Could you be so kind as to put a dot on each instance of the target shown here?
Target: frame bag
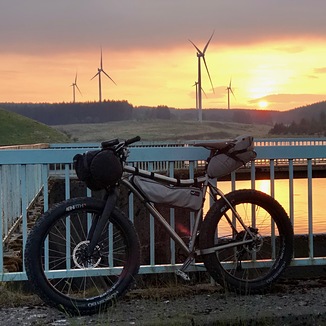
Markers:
(99, 169)
(186, 197)
(223, 162)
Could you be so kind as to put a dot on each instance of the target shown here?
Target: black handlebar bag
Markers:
(99, 169)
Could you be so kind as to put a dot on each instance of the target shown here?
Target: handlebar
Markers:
(110, 143)
(132, 140)
(115, 142)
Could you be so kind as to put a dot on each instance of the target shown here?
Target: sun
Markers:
(263, 104)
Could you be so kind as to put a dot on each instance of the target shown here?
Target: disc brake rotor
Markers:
(255, 246)
(81, 258)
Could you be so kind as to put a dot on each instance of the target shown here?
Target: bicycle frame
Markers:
(207, 185)
(93, 240)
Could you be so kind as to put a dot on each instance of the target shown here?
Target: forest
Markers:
(89, 112)
(305, 126)
(310, 119)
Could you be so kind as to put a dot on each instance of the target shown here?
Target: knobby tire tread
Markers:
(206, 240)
(38, 280)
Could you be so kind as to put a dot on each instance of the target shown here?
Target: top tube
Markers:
(163, 178)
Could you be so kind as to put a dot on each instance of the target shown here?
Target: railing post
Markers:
(1, 219)
(172, 218)
(152, 229)
(310, 219)
(24, 205)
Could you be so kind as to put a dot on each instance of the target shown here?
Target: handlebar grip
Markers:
(110, 143)
(132, 140)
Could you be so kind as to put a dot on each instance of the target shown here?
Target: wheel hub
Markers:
(82, 259)
(255, 245)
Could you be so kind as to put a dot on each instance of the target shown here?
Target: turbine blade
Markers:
(76, 78)
(196, 47)
(230, 88)
(78, 89)
(108, 76)
(101, 62)
(203, 92)
(95, 75)
(232, 92)
(205, 48)
(209, 76)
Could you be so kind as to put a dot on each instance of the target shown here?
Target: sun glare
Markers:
(264, 186)
(263, 104)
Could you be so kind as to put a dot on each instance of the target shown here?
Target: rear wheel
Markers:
(59, 267)
(255, 265)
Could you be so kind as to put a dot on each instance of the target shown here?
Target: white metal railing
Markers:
(25, 172)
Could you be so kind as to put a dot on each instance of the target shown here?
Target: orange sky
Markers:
(274, 52)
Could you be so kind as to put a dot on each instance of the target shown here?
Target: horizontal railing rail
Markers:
(25, 175)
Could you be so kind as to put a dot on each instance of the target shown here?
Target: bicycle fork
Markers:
(100, 221)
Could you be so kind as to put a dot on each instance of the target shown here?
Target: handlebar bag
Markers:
(187, 197)
(99, 169)
(222, 163)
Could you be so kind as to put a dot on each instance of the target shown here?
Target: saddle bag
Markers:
(186, 197)
(240, 152)
(99, 169)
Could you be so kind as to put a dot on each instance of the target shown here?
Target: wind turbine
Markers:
(229, 89)
(196, 85)
(201, 54)
(99, 71)
(74, 86)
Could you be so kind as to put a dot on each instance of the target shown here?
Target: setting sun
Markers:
(151, 59)
(263, 104)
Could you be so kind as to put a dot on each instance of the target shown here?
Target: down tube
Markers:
(157, 216)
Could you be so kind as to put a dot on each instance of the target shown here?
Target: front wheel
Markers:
(60, 268)
(253, 265)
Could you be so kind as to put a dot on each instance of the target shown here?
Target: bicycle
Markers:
(83, 253)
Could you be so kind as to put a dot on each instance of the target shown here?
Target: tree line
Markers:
(305, 126)
(90, 112)
(312, 116)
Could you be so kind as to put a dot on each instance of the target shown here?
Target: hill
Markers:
(312, 111)
(17, 130)
(161, 130)
(109, 111)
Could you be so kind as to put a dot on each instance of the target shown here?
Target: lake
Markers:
(282, 194)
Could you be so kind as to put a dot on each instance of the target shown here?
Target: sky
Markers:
(272, 51)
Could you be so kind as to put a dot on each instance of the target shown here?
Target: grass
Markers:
(16, 129)
(161, 130)
(14, 294)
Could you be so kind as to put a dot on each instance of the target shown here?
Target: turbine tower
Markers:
(74, 86)
(196, 85)
(99, 71)
(229, 89)
(201, 54)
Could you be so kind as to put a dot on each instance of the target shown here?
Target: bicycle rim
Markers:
(65, 276)
(254, 265)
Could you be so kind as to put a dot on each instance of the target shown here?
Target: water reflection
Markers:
(300, 215)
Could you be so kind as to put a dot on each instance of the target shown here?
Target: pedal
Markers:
(182, 274)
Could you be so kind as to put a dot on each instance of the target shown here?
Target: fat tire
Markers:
(42, 285)
(207, 239)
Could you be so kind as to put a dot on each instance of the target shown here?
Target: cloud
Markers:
(291, 49)
(40, 26)
(321, 70)
(290, 98)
